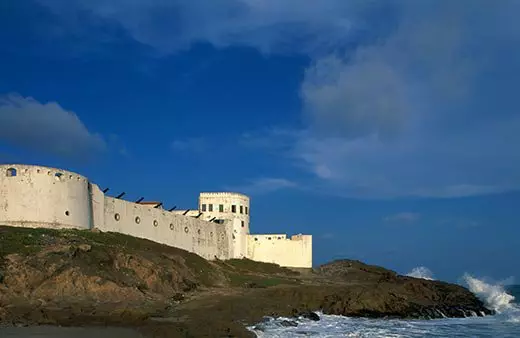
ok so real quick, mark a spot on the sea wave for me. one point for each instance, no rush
(494, 296)
(421, 272)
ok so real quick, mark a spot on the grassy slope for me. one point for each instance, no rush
(235, 272)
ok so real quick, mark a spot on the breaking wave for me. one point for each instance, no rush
(503, 324)
(495, 297)
(421, 272)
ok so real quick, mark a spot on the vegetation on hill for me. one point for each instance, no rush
(73, 277)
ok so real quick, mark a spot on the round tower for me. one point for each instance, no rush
(233, 207)
(35, 196)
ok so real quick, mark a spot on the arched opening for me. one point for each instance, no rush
(58, 176)
(11, 172)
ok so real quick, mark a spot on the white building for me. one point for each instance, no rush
(42, 197)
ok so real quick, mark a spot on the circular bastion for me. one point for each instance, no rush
(43, 197)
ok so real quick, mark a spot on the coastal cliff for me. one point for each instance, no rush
(86, 278)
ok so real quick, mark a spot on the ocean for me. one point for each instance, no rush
(503, 299)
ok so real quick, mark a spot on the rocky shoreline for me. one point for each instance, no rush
(84, 278)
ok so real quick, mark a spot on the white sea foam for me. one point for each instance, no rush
(421, 272)
(495, 297)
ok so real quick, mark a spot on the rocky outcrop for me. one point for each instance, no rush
(76, 278)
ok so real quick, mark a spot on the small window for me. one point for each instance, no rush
(256, 239)
(279, 237)
(117, 217)
(11, 172)
(171, 226)
(243, 224)
(186, 230)
(241, 209)
(198, 231)
(58, 176)
(137, 220)
(269, 238)
(203, 207)
(221, 207)
(155, 223)
(247, 211)
(234, 208)
(67, 213)
(210, 207)
(211, 234)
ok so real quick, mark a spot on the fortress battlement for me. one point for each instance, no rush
(46, 197)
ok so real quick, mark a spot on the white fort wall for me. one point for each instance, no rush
(232, 206)
(35, 196)
(207, 239)
(277, 248)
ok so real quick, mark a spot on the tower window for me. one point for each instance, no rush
(247, 210)
(243, 224)
(221, 207)
(241, 209)
(11, 172)
(210, 207)
(234, 208)
(203, 208)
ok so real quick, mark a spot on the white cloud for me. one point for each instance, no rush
(264, 185)
(46, 127)
(403, 217)
(425, 108)
(402, 98)
(268, 25)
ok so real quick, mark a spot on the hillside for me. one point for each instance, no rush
(70, 278)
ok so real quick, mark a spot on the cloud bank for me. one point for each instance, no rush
(46, 127)
(264, 185)
(402, 98)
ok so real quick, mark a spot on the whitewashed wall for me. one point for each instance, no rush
(240, 218)
(276, 248)
(53, 198)
(206, 239)
(43, 197)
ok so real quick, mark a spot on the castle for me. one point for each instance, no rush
(43, 197)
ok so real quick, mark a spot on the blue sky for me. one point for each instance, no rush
(388, 130)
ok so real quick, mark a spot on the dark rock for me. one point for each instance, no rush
(310, 315)
(288, 323)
